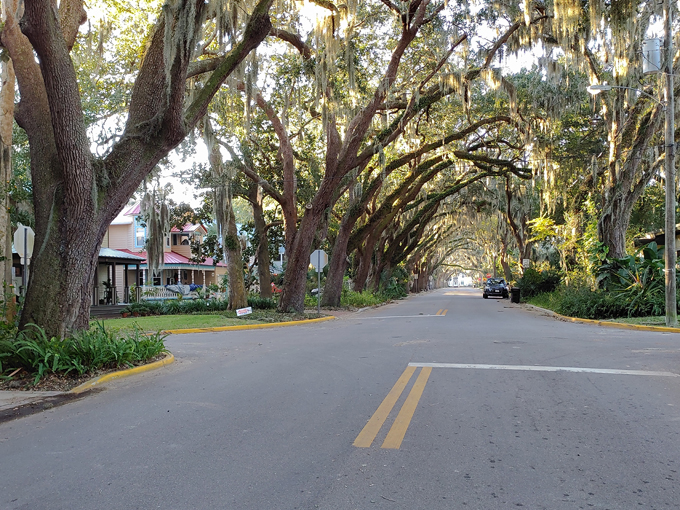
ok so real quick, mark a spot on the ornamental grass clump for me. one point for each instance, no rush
(81, 353)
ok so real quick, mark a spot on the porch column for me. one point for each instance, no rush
(192, 277)
(114, 290)
(126, 291)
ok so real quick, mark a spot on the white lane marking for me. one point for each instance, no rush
(547, 369)
(395, 317)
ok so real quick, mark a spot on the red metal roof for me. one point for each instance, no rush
(189, 227)
(133, 210)
(172, 258)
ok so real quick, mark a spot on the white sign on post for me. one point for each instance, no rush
(318, 259)
(24, 238)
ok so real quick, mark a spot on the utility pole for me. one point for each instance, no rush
(669, 170)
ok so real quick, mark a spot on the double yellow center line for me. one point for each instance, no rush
(442, 312)
(398, 430)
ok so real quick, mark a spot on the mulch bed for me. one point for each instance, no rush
(23, 381)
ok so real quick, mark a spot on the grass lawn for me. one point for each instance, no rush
(642, 321)
(155, 323)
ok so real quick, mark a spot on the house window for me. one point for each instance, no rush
(140, 233)
(167, 242)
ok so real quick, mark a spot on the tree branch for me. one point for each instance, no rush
(293, 39)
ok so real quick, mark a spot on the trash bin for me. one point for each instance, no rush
(514, 295)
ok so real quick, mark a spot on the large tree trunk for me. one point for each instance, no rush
(263, 263)
(332, 291)
(363, 266)
(613, 224)
(6, 122)
(365, 261)
(232, 252)
(61, 277)
(76, 195)
(295, 277)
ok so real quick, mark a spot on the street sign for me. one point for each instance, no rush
(24, 239)
(318, 259)
(526, 263)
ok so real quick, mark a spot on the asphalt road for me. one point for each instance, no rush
(441, 401)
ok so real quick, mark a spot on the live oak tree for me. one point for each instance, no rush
(603, 40)
(398, 94)
(7, 85)
(77, 193)
(222, 175)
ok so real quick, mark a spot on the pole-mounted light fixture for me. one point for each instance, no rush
(596, 89)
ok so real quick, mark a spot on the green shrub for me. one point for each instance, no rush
(261, 303)
(535, 282)
(194, 306)
(394, 285)
(310, 301)
(139, 308)
(217, 305)
(171, 307)
(638, 282)
(83, 352)
(588, 304)
(361, 299)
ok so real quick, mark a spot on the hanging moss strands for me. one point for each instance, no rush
(157, 217)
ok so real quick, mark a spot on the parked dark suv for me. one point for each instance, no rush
(495, 287)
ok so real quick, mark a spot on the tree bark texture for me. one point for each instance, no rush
(613, 223)
(7, 82)
(263, 261)
(232, 252)
(76, 195)
(332, 291)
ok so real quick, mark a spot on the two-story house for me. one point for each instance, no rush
(127, 233)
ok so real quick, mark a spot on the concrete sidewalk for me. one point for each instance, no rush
(12, 399)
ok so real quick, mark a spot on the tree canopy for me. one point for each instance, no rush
(392, 134)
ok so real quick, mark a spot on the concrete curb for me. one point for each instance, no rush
(616, 325)
(169, 358)
(246, 326)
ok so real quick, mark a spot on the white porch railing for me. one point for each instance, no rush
(150, 293)
(153, 292)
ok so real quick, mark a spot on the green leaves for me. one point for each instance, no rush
(83, 352)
